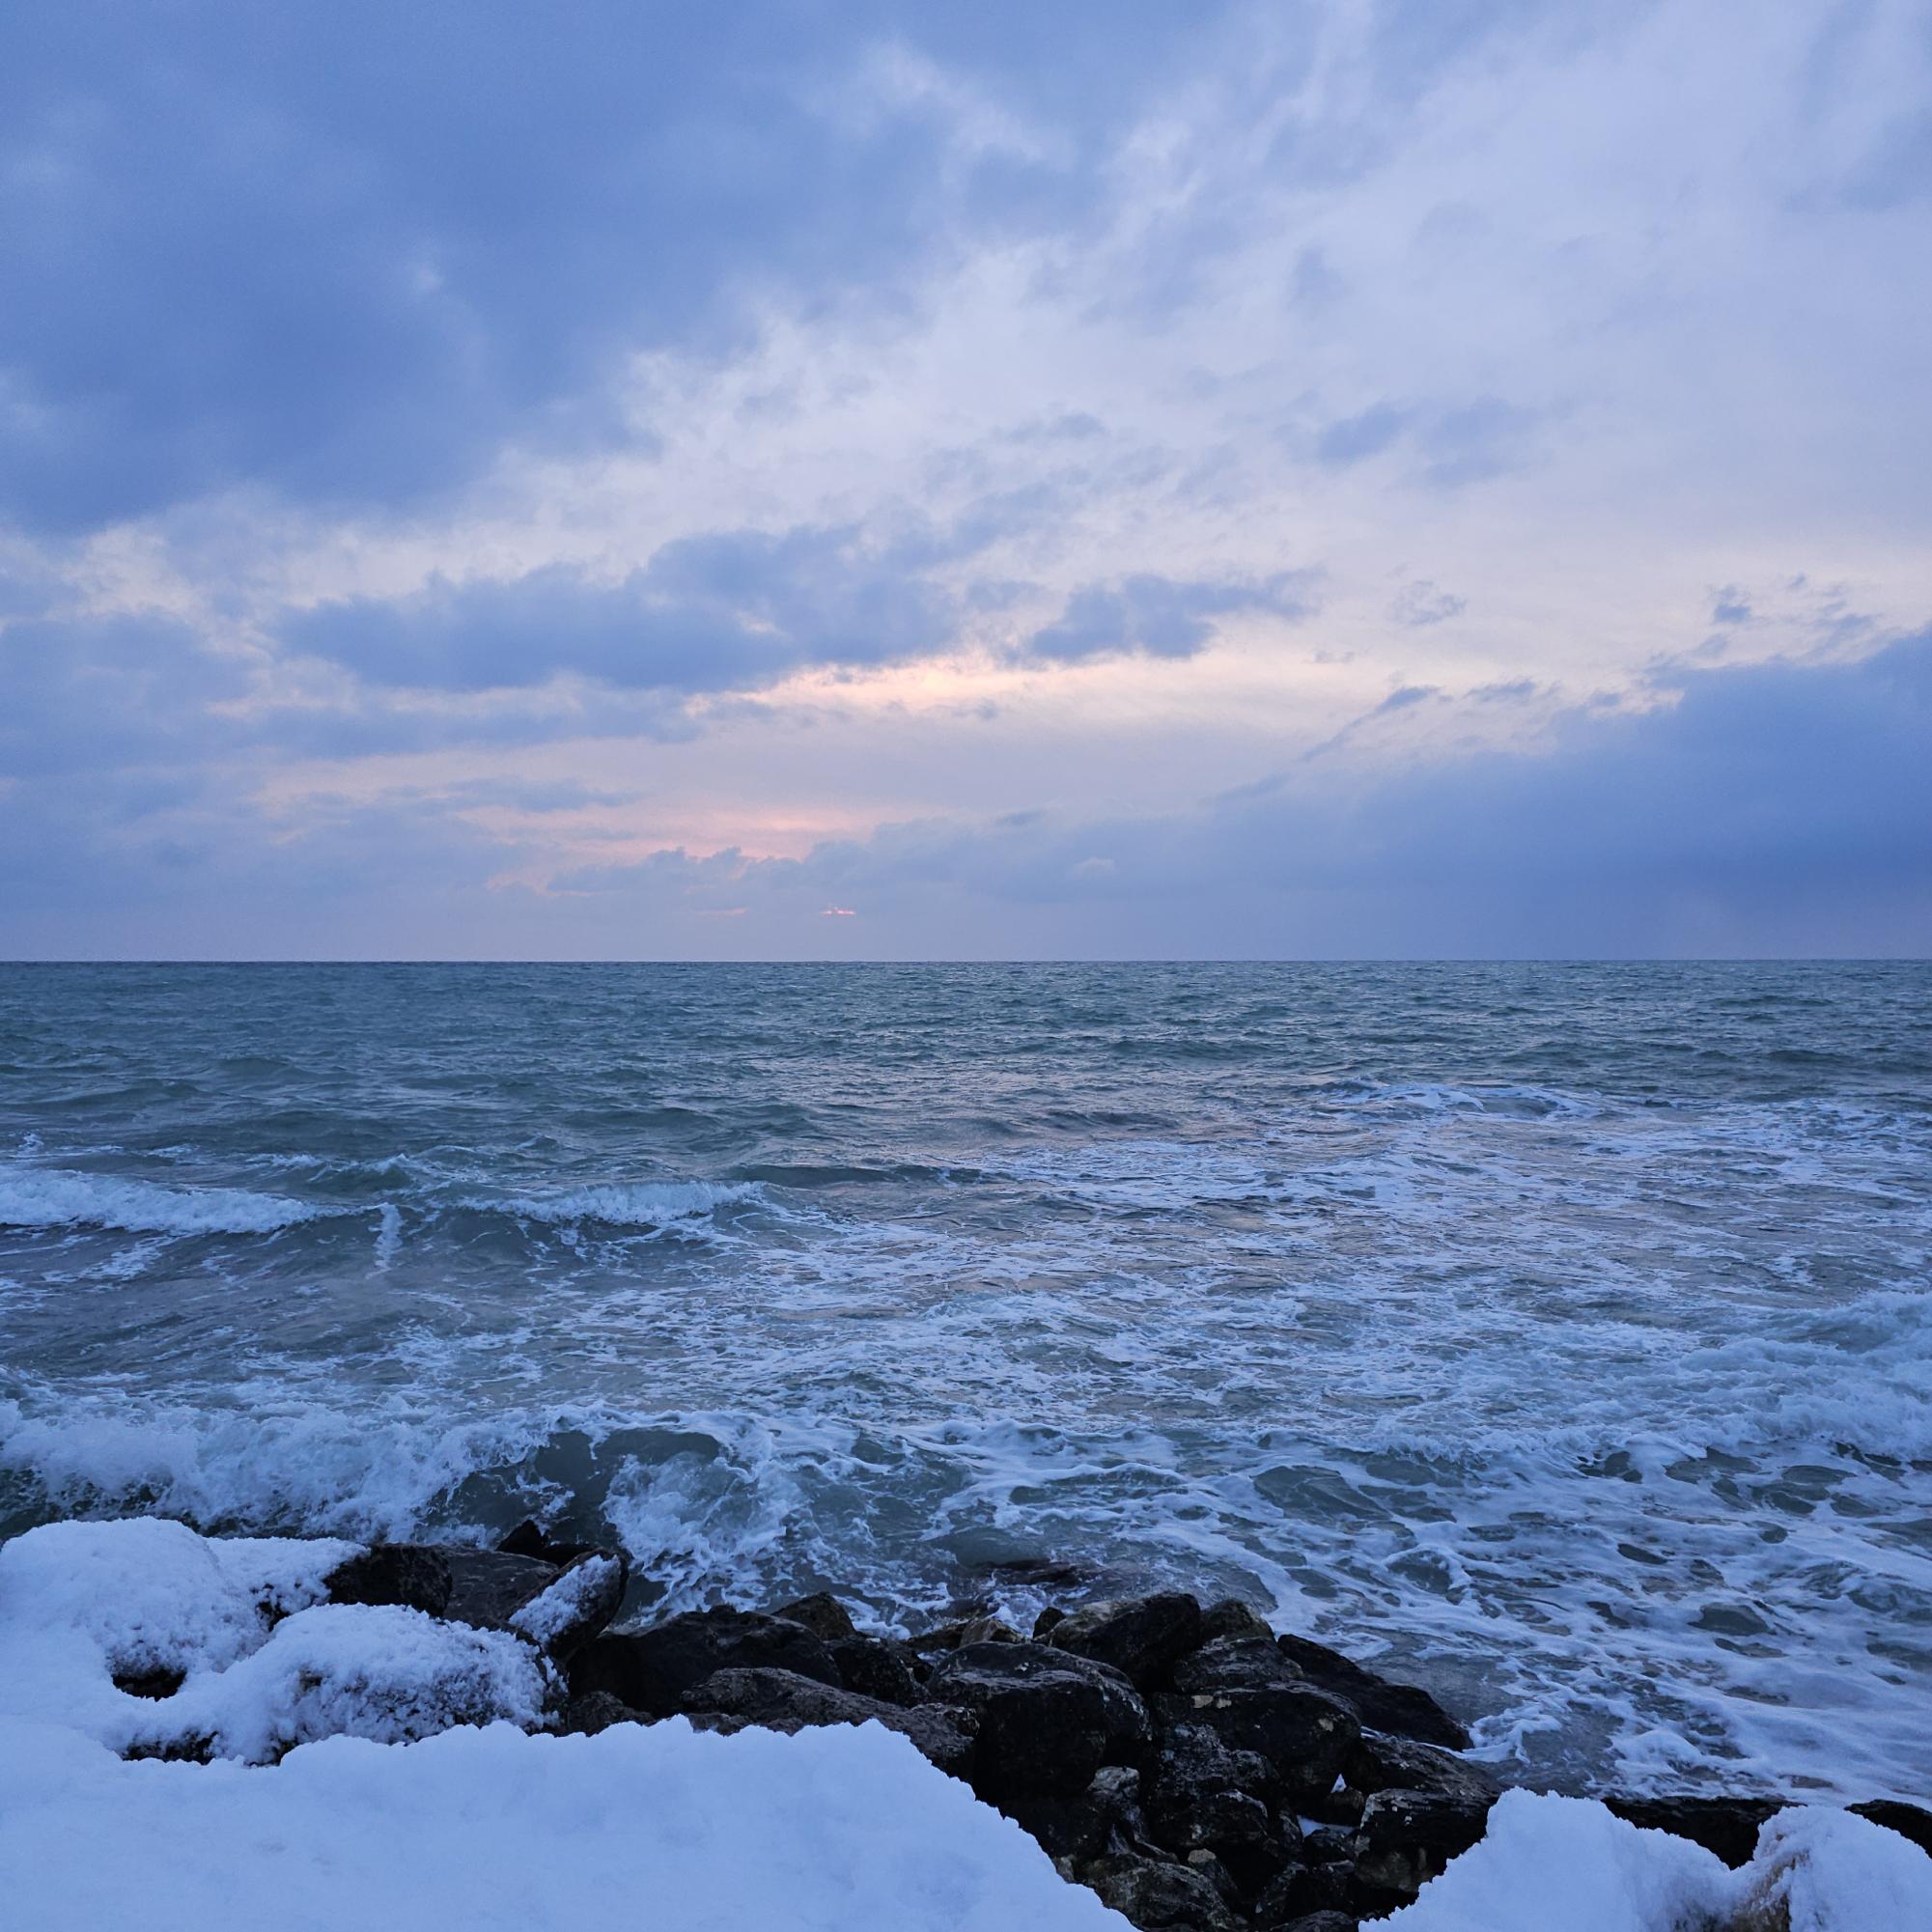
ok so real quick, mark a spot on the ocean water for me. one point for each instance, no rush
(1559, 1334)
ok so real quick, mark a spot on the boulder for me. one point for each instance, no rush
(1909, 1821)
(1047, 1719)
(821, 1614)
(1050, 1618)
(1244, 1692)
(1157, 1897)
(530, 1539)
(1201, 1796)
(1406, 1837)
(1141, 1636)
(781, 1700)
(1402, 1710)
(651, 1669)
(488, 1589)
(1074, 1831)
(415, 1576)
(563, 1616)
(874, 1667)
(1299, 1892)
(1233, 1619)
(1314, 1921)
(972, 1630)
(596, 1711)
(1726, 1826)
(1379, 1762)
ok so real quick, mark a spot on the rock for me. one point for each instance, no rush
(1049, 1620)
(1402, 1710)
(1384, 1763)
(530, 1539)
(563, 1616)
(1233, 1619)
(1406, 1839)
(1105, 1817)
(488, 1589)
(1315, 1922)
(1328, 1847)
(973, 1630)
(1047, 1719)
(821, 1614)
(596, 1711)
(1159, 1897)
(163, 1681)
(876, 1667)
(1909, 1821)
(651, 1669)
(781, 1700)
(1726, 1826)
(413, 1574)
(1141, 1636)
(1250, 1698)
(1301, 1891)
(1201, 1796)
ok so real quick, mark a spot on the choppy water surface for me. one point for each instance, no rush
(1562, 1331)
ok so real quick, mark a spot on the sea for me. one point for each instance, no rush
(1558, 1336)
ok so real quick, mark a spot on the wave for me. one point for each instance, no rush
(633, 1204)
(60, 1197)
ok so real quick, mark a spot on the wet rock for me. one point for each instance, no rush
(821, 1614)
(1160, 1897)
(413, 1574)
(1909, 1821)
(969, 1630)
(1047, 1620)
(1141, 1636)
(596, 1711)
(1047, 1719)
(488, 1589)
(1298, 1893)
(651, 1669)
(781, 1700)
(563, 1616)
(1252, 1700)
(1201, 1796)
(1232, 1620)
(1379, 1762)
(1406, 1837)
(163, 1681)
(1105, 1817)
(1726, 1826)
(1402, 1710)
(1314, 1921)
(876, 1667)
(1329, 1846)
(530, 1539)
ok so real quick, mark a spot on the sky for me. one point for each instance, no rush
(1335, 478)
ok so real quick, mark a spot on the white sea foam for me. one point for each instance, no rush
(647, 1204)
(58, 1197)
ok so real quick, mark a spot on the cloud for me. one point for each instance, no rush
(1163, 618)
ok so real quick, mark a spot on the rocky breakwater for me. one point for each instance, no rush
(1193, 1767)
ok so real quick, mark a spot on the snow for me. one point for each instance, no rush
(831, 1830)
(565, 1602)
(1548, 1861)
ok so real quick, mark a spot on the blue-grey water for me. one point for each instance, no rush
(1560, 1333)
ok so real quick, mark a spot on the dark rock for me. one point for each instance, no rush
(413, 1574)
(1049, 1620)
(1160, 1897)
(1907, 1820)
(1406, 1839)
(1105, 1817)
(1299, 1892)
(1252, 1698)
(1384, 1763)
(163, 1681)
(1047, 1719)
(1141, 1636)
(1201, 1796)
(972, 1630)
(821, 1614)
(781, 1700)
(1314, 1921)
(1328, 1847)
(1233, 1619)
(527, 1539)
(488, 1589)
(1726, 1826)
(1340, 1808)
(651, 1669)
(563, 1616)
(876, 1667)
(1403, 1710)
(596, 1711)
